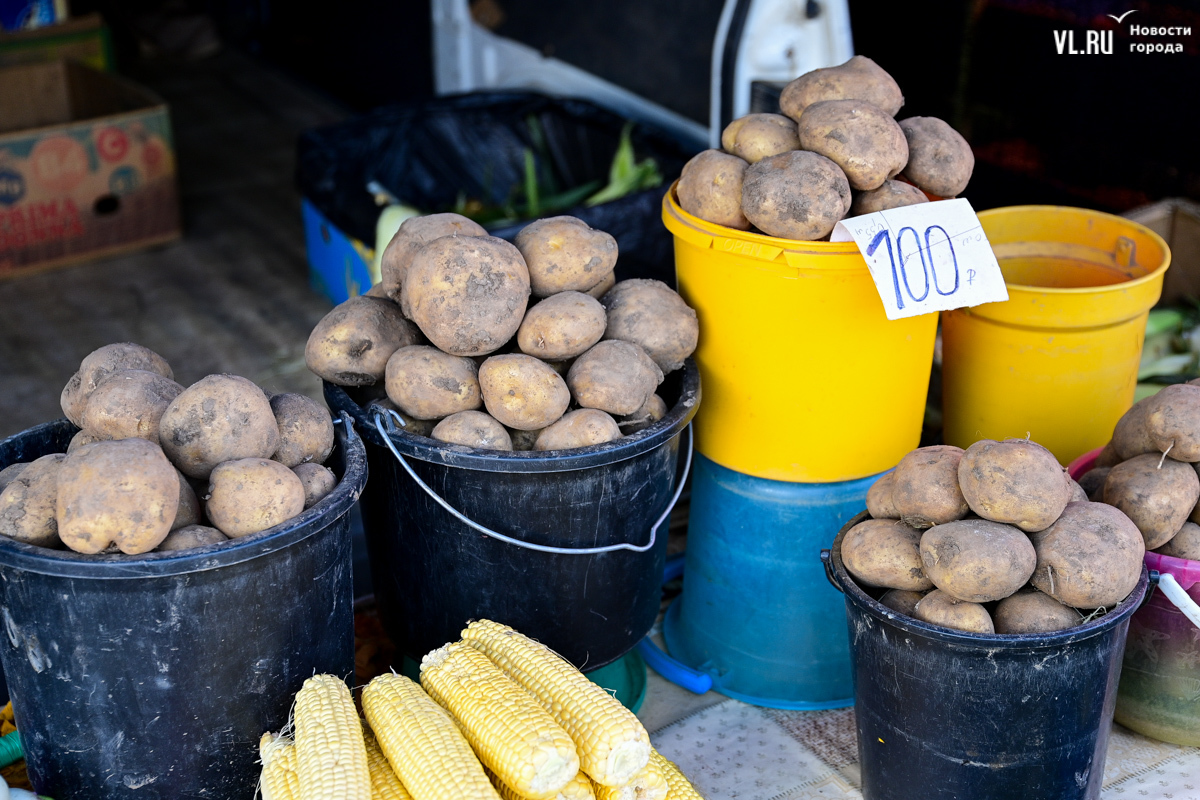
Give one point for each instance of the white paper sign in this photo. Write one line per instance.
(926, 257)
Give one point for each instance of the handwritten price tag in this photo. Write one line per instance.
(926, 257)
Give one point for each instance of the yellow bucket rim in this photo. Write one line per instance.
(1149, 277)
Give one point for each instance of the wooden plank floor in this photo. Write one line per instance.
(231, 296)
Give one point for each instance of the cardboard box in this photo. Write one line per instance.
(1178, 221)
(84, 39)
(87, 167)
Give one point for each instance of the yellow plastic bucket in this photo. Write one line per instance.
(1058, 360)
(804, 378)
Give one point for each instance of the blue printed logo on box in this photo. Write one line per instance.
(12, 186)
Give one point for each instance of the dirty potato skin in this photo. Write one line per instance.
(925, 487)
(1016, 481)
(939, 159)
(711, 187)
(351, 344)
(796, 195)
(563, 254)
(1157, 499)
(1033, 612)
(249, 495)
(892, 194)
(467, 294)
(879, 497)
(1173, 421)
(901, 601)
(28, 502)
(977, 560)
(188, 511)
(1130, 436)
(218, 418)
(651, 314)
(425, 383)
(102, 362)
(1092, 482)
(123, 492)
(1185, 544)
(473, 429)
(860, 78)
(654, 409)
(10, 473)
(885, 553)
(583, 427)
(189, 537)
(522, 392)
(614, 376)
(1090, 558)
(317, 481)
(305, 430)
(757, 136)
(860, 138)
(413, 234)
(129, 403)
(939, 608)
(562, 326)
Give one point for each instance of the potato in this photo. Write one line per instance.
(100, 363)
(123, 492)
(425, 383)
(651, 314)
(188, 511)
(711, 188)
(417, 427)
(523, 440)
(351, 344)
(189, 537)
(1130, 436)
(614, 376)
(522, 392)
(1092, 482)
(1077, 492)
(1015, 481)
(81, 438)
(1157, 499)
(581, 428)
(757, 136)
(467, 294)
(129, 403)
(795, 195)
(601, 288)
(651, 412)
(1108, 456)
(977, 560)
(305, 430)
(939, 608)
(860, 138)
(561, 326)
(1185, 544)
(1173, 421)
(377, 290)
(565, 255)
(317, 481)
(892, 194)
(940, 161)
(473, 429)
(879, 497)
(885, 553)
(1033, 612)
(248, 495)
(925, 490)
(860, 78)
(413, 234)
(1090, 558)
(10, 473)
(218, 418)
(73, 400)
(902, 601)
(28, 502)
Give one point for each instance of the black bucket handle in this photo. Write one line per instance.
(392, 416)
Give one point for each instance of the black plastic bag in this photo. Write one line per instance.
(429, 154)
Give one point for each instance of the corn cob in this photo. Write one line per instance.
(514, 736)
(422, 743)
(580, 788)
(648, 784)
(279, 780)
(611, 742)
(384, 783)
(678, 786)
(331, 756)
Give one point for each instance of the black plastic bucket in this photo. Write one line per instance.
(433, 571)
(945, 714)
(154, 676)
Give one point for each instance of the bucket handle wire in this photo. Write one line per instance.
(1178, 597)
(393, 417)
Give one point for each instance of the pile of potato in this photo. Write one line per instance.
(994, 539)
(1148, 470)
(154, 462)
(449, 336)
(836, 151)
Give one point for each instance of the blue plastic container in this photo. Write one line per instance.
(757, 615)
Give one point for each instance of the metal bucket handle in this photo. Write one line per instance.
(393, 417)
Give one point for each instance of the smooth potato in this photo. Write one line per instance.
(562, 326)
(885, 553)
(757, 136)
(1033, 612)
(413, 234)
(1157, 498)
(565, 255)
(601, 288)
(860, 78)
(351, 344)
(1130, 436)
(795, 195)
(188, 511)
(1173, 421)
(473, 429)
(939, 608)
(902, 601)
(651, 314)
(81, 438)
(29, 500)
(940, 161)
(1108, 456)
(1016, 481)
(977, 560)
(879, 497)
(1184, 544)
(711, 188)
(317, 480)
(249, 495)
(654, 409)
(219, 418)
(614, 376)
(862, 139)
(129, 403)
(891, 194)
(190, 537)
(1092, 482)
(925, 490)
(305, 430)
(1091, 557)
(583, 427)
(522, 392)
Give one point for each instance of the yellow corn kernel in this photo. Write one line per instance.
(422, 743)
(612, 744)
(678, 786)
(514, 736)
(384, 783)
(648, 784)
(279, 780)
(331, 755)
(580, 788)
